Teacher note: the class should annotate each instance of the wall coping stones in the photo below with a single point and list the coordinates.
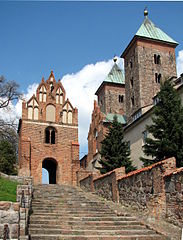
(174, 172)
(119, 171)
(148, 168)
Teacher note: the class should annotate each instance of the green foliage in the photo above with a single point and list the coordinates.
(7, 190)
(115, 151)
(7, 158)
(167, 128)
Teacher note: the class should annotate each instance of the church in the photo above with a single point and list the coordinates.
(48, 135)
(149, 59)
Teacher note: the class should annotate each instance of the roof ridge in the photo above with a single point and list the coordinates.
(149, 30)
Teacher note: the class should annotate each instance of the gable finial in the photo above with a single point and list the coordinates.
(115, 58)
(145, 12)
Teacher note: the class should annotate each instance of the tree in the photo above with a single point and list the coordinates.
(8, 132)
(8, 128)
(8, 92)
(167, 128)
(7, 158)
(115, 151)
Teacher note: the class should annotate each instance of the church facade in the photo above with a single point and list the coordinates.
(48, 135)
(149, 59)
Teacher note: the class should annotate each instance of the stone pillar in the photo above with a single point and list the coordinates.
(75, 161)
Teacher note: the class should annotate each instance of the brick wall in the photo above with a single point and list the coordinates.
(96, 132)
(34, 147)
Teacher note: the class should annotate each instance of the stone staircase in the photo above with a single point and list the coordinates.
(65, 212)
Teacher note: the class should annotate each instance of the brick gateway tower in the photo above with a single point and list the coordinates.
(48, 135)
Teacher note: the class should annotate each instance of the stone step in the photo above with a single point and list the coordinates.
(54, 214)
(86, 226)
(73, 210)
(82, 223)
(64, 212)
(90, 232)
(90, 237)
(71, 218)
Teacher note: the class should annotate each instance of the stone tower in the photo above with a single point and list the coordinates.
(149, 59)
(111, 93)
(48, 135)
(111, 101)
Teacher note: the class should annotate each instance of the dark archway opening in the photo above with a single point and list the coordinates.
(51, 166)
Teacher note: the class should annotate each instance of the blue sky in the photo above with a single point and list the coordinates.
(65, 36)
(77, 40)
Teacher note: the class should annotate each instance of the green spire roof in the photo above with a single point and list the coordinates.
(115, 75)
(149, 30)
(110, 116)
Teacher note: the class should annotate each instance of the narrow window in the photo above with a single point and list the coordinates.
(50, 135)
(156, 77)
(158, 59)
(132, 101)
(131, 64)
(36, 113)
(121, 98)
(30, 112)
(53, 137)
(159, 78)
(131, 82)
(47, 133)
(70, 117)
(155, 58)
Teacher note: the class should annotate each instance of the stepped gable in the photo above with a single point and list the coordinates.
(48, 135)
(65, 212)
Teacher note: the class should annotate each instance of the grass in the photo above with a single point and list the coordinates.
(7, 190)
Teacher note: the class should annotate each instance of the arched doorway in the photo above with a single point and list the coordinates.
(50, 165)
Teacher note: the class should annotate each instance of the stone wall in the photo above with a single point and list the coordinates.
(144, 189)
(9, 220)
(174, 197)
(19, 179)
(14, 216)
(106, 185)
(156, 192)
(87, 183)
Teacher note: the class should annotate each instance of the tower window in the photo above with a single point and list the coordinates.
(52, 137)
(131, 82)
(47, 136)
(157, 59)
(157, 77)
(50, 134)
(121, 98)
(131, 64)
(132, 101)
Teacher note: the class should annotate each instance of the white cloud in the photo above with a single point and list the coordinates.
(14, 112)
(80, 89)
(180, 63)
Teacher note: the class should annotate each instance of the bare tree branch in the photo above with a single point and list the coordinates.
(8, 92)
